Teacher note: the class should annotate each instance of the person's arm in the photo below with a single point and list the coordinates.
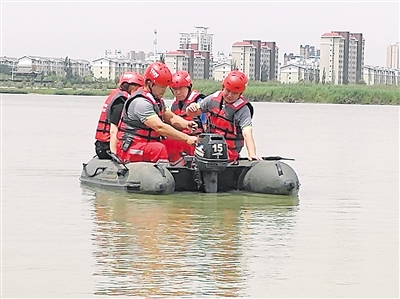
(193, 110)
(243, 119)
(249, 142)
(175, 120)
(115, 116)
(168, 131)
(113, 138)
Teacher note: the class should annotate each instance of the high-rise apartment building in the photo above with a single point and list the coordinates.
(257, 59)
(176, 61)
(392, 56)
(200, 40)
(198, 47)
(342, 57)
(269, 61)
(308, 51)
(243, 58)
(132, 55)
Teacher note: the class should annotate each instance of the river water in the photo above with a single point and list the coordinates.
(338, 238)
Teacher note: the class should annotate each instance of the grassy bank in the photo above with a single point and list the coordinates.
(257, 92)
(53, 91)
(312, 93)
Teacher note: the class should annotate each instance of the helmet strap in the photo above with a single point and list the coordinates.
(189, 92)
(150, 85)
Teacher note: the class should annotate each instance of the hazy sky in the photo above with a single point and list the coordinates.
(85, 29)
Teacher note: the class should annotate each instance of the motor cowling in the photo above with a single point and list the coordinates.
(211, 153)
(210, 157)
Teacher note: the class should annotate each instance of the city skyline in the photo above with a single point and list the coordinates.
(85, 30)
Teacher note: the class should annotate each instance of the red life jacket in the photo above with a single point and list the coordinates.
(179, 108)
(103, 126)
(129, 129)
(221, 120)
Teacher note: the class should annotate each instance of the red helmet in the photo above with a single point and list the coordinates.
(131, 78)
(181, 79)
(158, 73)
(235, 81)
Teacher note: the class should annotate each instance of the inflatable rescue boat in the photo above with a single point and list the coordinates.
(207, 171)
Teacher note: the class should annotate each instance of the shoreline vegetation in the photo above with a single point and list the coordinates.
(256, 91)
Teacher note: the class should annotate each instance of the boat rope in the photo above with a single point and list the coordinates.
(96, 172)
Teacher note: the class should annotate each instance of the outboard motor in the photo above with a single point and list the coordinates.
(211, 157)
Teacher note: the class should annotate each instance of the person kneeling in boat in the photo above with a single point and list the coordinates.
(145, 120)
(230, 115)
(107, 127)
(181, 88)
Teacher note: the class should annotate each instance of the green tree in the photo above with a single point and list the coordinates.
(316, 75)
(41, 78)
(88, 79)
(264, 72)
(59, 85)
(234, 65)
(361, 82)
(67, 68)
(162, 58)
(5, 69)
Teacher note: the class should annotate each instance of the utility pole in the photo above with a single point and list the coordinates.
(155, 44)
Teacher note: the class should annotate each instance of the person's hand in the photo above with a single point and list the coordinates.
(254, 158)
(192, 126)
(192, 140)
(193, 107)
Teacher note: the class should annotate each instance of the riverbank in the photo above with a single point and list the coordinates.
(256, 92)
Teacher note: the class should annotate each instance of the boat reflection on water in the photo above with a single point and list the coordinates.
(184, 244)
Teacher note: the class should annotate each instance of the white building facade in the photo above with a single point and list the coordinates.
(243, 58)
(331, 63)
(221, 70)
(200, 40)
(177, 61)
(111, 69)
(48, 65)
(375, 75)
(341, 58)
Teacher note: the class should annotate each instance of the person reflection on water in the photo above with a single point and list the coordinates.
(229, 114)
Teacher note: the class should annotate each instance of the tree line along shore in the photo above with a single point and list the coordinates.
(256, 91)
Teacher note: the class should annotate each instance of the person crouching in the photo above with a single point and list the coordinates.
(145, 120)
